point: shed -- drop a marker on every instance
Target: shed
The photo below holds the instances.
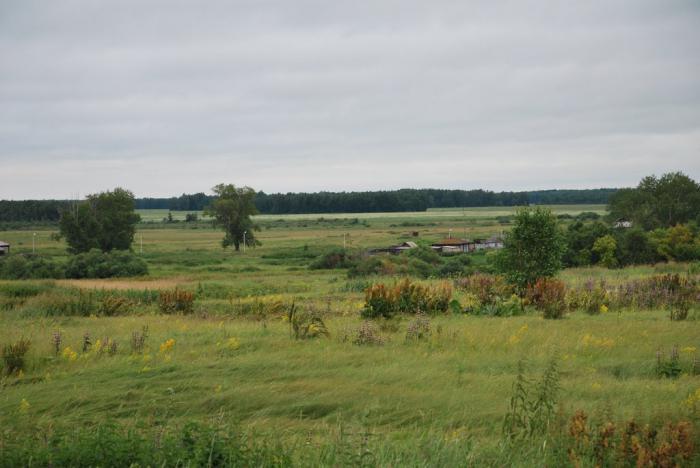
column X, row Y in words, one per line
column 4, row 248
column 493, row 242
column 454, row 245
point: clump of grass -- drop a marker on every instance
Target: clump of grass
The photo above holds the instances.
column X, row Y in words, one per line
column 406, row 297
column 305, row 325
column 176, row 301
column 87, row 343
column 13, row 356
column 113, row 305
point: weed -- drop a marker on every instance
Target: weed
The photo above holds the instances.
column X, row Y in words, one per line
column 13, row 356
column 138, row 340
column 305, row 325
column 113, row 305
column 176, row 301
column 367, row 334
column 549, row 296
column 56, row 342
column 419, row 328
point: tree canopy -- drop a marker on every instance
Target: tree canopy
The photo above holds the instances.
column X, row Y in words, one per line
column 533, row 249
column 231, row 210
column 671, row 199
column 104, row 221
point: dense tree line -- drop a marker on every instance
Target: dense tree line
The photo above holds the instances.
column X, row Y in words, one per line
column 329, row 202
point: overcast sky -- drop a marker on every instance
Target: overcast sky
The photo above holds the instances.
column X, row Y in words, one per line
column 166, row 97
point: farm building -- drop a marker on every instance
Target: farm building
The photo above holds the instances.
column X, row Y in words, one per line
column 451, row 245
column 622, row 223
column 395, row 249
column 4, row 248
column 492, row 242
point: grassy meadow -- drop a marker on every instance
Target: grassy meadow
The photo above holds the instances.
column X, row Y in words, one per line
column 232, row 363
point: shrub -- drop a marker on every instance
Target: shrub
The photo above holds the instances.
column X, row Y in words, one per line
column 419, row 328
column 177, row 301
column 592, row 298
column 113, row 305
column 488, row 289
column 549, row 296
column 61, row 303
column 336, row 258
column 670, row 291
column 367, row 334
column 13, row 356
column 28, row 266
column 98, row 264
column 406, row 297
column 305, row 325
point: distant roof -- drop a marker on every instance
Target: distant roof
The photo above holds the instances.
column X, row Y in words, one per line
column 4, row 244
column 453, row 241
column 410, row 244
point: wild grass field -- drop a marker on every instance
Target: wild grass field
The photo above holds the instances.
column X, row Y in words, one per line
column 108, row 375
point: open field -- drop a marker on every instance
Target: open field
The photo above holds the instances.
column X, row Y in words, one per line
column 438, row 401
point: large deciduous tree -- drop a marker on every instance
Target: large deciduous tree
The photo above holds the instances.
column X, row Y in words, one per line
column 104, row 221
column 533, row 249
column 671, row 199
column 231, row 210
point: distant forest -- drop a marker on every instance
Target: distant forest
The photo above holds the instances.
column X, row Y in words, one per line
column 331, row 202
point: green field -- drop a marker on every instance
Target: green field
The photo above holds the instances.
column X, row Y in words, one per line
column 439, row 401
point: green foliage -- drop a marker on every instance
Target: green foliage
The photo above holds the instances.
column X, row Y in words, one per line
column 108, row 444
column 231, row 210
column 532, row 249
column 424, row 263
column 672, row 199
column 304, row 325
column 104, row 221
column 97, row 264
column 22, row 267
column 65, row 303
column 335, row 258
column 13, row 356
column 605, row 247
column 532, row 405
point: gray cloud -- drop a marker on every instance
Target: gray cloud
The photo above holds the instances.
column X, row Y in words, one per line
column 170, row 97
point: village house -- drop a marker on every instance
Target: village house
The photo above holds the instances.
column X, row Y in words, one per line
column 4, row 248
column 395, row 249
column 452, row 245
column 622, row 223
column 492, row 242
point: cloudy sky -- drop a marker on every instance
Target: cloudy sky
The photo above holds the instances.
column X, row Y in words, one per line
column 165, row 97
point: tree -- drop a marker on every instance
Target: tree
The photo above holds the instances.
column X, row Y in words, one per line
column 606, row 247
column 671, row 199
column 533, row 249
column 231, row 210
column 104, row 221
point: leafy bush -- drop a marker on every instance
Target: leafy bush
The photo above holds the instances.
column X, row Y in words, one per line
column 488, row 289
column 406, row 297
column 98, row 264
column 592, row 298
column 13, row 356
column 177, row 301
column 336, row 258
column 28, row 266
column 549, row 296
column 672, row 292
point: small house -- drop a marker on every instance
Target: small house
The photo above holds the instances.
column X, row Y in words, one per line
column 452, row 245
column 492, row 242
column 395, row 249
column 4, row 248
column 622, row 223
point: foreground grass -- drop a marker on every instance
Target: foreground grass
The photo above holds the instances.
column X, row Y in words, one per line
column 455, row 385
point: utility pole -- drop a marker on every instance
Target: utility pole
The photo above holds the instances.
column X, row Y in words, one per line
column 244, row 233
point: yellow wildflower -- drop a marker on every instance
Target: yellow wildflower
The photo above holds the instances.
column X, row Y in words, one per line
column 69, row 354
column 24, row 406
column 689, row 349
column 217, row 389
column 603, row 308
column 167, row 345
column 233, row 344
column 596, row 386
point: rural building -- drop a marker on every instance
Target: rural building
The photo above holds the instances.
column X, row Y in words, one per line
column 452, row 245
column 492, row 242
column 395, row 249
column 4, row 248
column 622, row 223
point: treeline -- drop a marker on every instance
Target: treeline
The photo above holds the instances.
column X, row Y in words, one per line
column 385, row 200
column 328, row 202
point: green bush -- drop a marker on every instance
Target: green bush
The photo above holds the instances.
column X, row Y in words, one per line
column 13, row 356
column 97, row 264
column 176, row 301
column 28, row 267
column 336, row 258
column 407, row 298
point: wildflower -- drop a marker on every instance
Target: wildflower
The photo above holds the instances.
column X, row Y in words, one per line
column 24, row 406
column 689, row 349
column 233, row 344
column 69, row 354
column 167, row 345
column 145, row 369
column 596, row 386
column 603, row 308
column 217, row 389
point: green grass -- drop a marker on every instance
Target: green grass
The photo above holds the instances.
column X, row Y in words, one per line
column 413, row 402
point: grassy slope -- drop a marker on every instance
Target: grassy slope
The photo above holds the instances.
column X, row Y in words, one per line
column 455, row 386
